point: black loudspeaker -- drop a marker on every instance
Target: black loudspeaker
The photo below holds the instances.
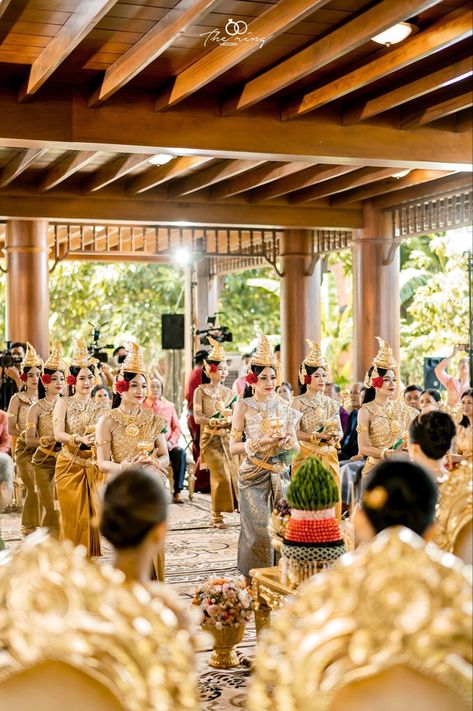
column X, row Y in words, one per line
column 172, row 330
column 430, row 379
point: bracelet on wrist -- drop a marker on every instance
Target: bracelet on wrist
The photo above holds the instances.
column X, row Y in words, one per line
column 383, row 453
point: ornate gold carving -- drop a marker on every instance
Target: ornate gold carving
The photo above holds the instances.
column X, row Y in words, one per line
column 455, row 505
column 62, row 607
column 397, row 602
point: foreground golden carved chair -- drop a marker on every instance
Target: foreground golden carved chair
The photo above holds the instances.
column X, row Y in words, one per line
column 455, row 511
column 387, row 628
column 73, row 636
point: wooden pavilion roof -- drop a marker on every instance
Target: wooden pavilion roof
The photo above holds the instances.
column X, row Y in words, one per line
column 294, row 125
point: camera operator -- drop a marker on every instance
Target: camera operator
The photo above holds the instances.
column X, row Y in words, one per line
column 10, row 362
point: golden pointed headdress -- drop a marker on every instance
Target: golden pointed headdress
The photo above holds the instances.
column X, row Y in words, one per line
column 55, row 360
column 263, row 354
column 80, row 355
column 31, row 359
column 217, row 353
column 383, row 359
column 134, row 361
column 314, row 358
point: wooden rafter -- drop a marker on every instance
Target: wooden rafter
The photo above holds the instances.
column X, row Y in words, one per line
column 408, row 92
column 452, row 28
column 3, row 6
column 276, row 20
column 435, row 110
column 163, row 173
column 114, row 170
column 304, row 179
column 262, row 176
column 156, row 41
column 324, row 51
column 210, row 176
column 338, row 185
column 442, row 186
column 71, row 34
column 415, row 177
column 67, row 166
column 464, row 122
column 19, row 164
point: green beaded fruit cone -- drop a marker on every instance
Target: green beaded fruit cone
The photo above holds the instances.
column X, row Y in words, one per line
column 313, row 488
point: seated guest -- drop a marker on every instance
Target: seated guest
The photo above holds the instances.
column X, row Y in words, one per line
column 397, row 493
column 177, row 456
column 6, row 486
column 351, row 463
column 464, row 439
column 430, row 438
column 333, row 390
column 5, row 440
column 134, row 516
column 102, row 394
column 412, row 396
column 430, row 400
column 285, row 391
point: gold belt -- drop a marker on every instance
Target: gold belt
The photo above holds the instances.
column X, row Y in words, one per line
column 276, row 468
column 84, row 461
column 48, row 452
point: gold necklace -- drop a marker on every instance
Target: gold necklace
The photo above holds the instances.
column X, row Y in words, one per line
column 132, row 429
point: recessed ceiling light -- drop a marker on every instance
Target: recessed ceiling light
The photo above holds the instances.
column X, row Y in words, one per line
column 160, row 158
column 401, row 174
column 393, row 35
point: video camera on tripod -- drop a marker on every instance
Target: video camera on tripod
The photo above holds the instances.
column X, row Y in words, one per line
column 9, row 359
column 95, row 348
column 221, row 334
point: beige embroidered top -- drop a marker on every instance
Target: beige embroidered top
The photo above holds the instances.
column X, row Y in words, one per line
column 316, row 411
column 464, row 442
column 389, row 423
column 276, row 413
column 82, row 415
column 124, row 445
column 215, row 399
column 45, row 419
column 25, row 404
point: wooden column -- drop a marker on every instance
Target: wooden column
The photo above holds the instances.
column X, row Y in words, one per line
column 27, row 289
column 376, row 306
column 188, row 318
column 300, row 301
column 202, row 292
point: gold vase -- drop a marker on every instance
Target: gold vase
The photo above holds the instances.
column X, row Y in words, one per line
column 224, row 655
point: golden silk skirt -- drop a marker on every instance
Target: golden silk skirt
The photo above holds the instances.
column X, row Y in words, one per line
column 328, row 455
column 159, row 565
column 31, row 513
column 223, row 467
column 44, row 462
column 77, row 482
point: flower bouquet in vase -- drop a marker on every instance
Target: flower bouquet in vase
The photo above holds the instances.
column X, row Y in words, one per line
column 226, row 604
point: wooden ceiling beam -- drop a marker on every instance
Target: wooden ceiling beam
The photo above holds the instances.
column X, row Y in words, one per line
column 446, row 76
column 115, row 170
column 464, row 122
column 67, row 166
column 134, row 127
column 70, row 35
column 157, row 40
column 415, row 177
column 277, row 19
column 262, row 176
column 3, row 6
column 442, row 186
column 410, row 118
column 303, row 179
column 324, row 51
column 154, row 211
column 210, row 176
column 338, row 185
column 19, row 164
column 449, row 30
column 163, row 173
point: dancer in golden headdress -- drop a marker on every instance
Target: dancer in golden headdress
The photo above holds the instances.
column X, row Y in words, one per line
column 383, row 420
column 128, row 432
column 268, row 423
column 213, row 412
column 319, row 429
column 77, row 474
column 39, row 433
column 18, row 408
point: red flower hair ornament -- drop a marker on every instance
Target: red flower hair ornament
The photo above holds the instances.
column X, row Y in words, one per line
column 377, row 382
column 24, row 377
column 71, row 380
column 213, row 367
column 251, row 378
column 122, row 386
column 46, row 379
column 307, row 379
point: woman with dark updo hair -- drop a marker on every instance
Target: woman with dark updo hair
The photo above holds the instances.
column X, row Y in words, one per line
column 77, row 475
column 430, row 438
column 268, row 424
column 129, row 434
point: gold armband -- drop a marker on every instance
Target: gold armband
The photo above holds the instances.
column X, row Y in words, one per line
column 102, row 442
column 362, row 428
column 72, row 442
column 236, row 435
column 30, row 425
